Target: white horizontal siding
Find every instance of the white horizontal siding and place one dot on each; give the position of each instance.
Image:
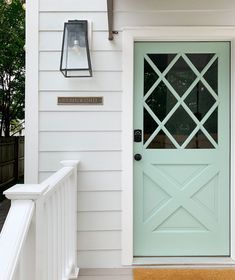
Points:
(73, 5)
(93, 180)
(174, 18)
(106, 81)
(55, 21)
(43, 176)
(101, 61)
(158, 5)
(99, 259)
(97, 180)
(80, 121)
(101, 240)
(136, 5)
(52, 41)
(99, 221)
(89, 161)
(79, 141)
(49, 21)
(99, 201)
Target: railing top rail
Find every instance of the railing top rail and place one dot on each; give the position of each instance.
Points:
(35, 191)
(11, 241)
(56, 178)
(59, 176)
(25, 192)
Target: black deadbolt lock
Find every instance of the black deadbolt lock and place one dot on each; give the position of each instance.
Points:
(137, 135)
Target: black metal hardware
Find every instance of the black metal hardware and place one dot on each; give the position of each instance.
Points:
(137, 157)
(137, 135)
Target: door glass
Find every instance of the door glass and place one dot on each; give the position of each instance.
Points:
(150, 77)
(199, 141)
(161, 101)
(180, 125)
(161, 60)
(201, 60)
(211, 125)
(149, 125)
(180, 76)
(161, 141)
(180, 100)
(211, 76)
(199, 101)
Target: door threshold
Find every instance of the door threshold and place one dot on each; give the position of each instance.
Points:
(183, 261)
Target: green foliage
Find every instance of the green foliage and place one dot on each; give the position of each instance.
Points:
(12, 63)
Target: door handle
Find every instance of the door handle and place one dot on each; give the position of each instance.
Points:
(137, 157)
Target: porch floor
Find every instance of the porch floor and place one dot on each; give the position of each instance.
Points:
(106, 274)
(126, 273)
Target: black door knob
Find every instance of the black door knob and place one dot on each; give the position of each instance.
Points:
(137, 157)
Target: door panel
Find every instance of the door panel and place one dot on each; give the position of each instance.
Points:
(181, 184)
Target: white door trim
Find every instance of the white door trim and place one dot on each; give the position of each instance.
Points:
(169, 33)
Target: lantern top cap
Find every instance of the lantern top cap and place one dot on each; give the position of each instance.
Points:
(77, 21)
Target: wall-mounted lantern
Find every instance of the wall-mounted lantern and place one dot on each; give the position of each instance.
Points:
(75, 55)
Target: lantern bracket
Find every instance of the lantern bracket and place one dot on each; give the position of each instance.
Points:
(110, 19)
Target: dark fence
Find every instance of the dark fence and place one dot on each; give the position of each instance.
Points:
(11, 161)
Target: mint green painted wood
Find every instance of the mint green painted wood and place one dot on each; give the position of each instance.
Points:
(181, 195)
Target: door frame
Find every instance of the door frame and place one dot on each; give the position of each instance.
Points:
(154, 34)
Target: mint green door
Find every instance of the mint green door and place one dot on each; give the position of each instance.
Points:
(181, 165)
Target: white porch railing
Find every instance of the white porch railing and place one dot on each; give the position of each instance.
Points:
(38, 240)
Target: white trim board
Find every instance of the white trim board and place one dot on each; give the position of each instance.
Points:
(31, 93)
(169, 33)
(185, 261)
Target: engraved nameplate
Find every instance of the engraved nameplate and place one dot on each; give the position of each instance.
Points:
(90, 100)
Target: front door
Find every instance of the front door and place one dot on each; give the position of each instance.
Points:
(181, 149)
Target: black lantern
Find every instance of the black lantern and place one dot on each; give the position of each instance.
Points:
(75, 55)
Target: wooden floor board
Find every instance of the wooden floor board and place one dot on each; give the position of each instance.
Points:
(106, 277)
(105, 274)
(105, 271)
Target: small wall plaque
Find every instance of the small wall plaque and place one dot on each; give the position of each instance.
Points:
(84, 100)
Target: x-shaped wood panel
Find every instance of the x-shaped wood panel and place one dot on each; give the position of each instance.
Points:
(181, 197)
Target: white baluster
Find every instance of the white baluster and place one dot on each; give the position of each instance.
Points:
(59, 220)
(55, 233)
(49, 238)
(40, 240)
(66, 226)
(70, 221)
(63, 231)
